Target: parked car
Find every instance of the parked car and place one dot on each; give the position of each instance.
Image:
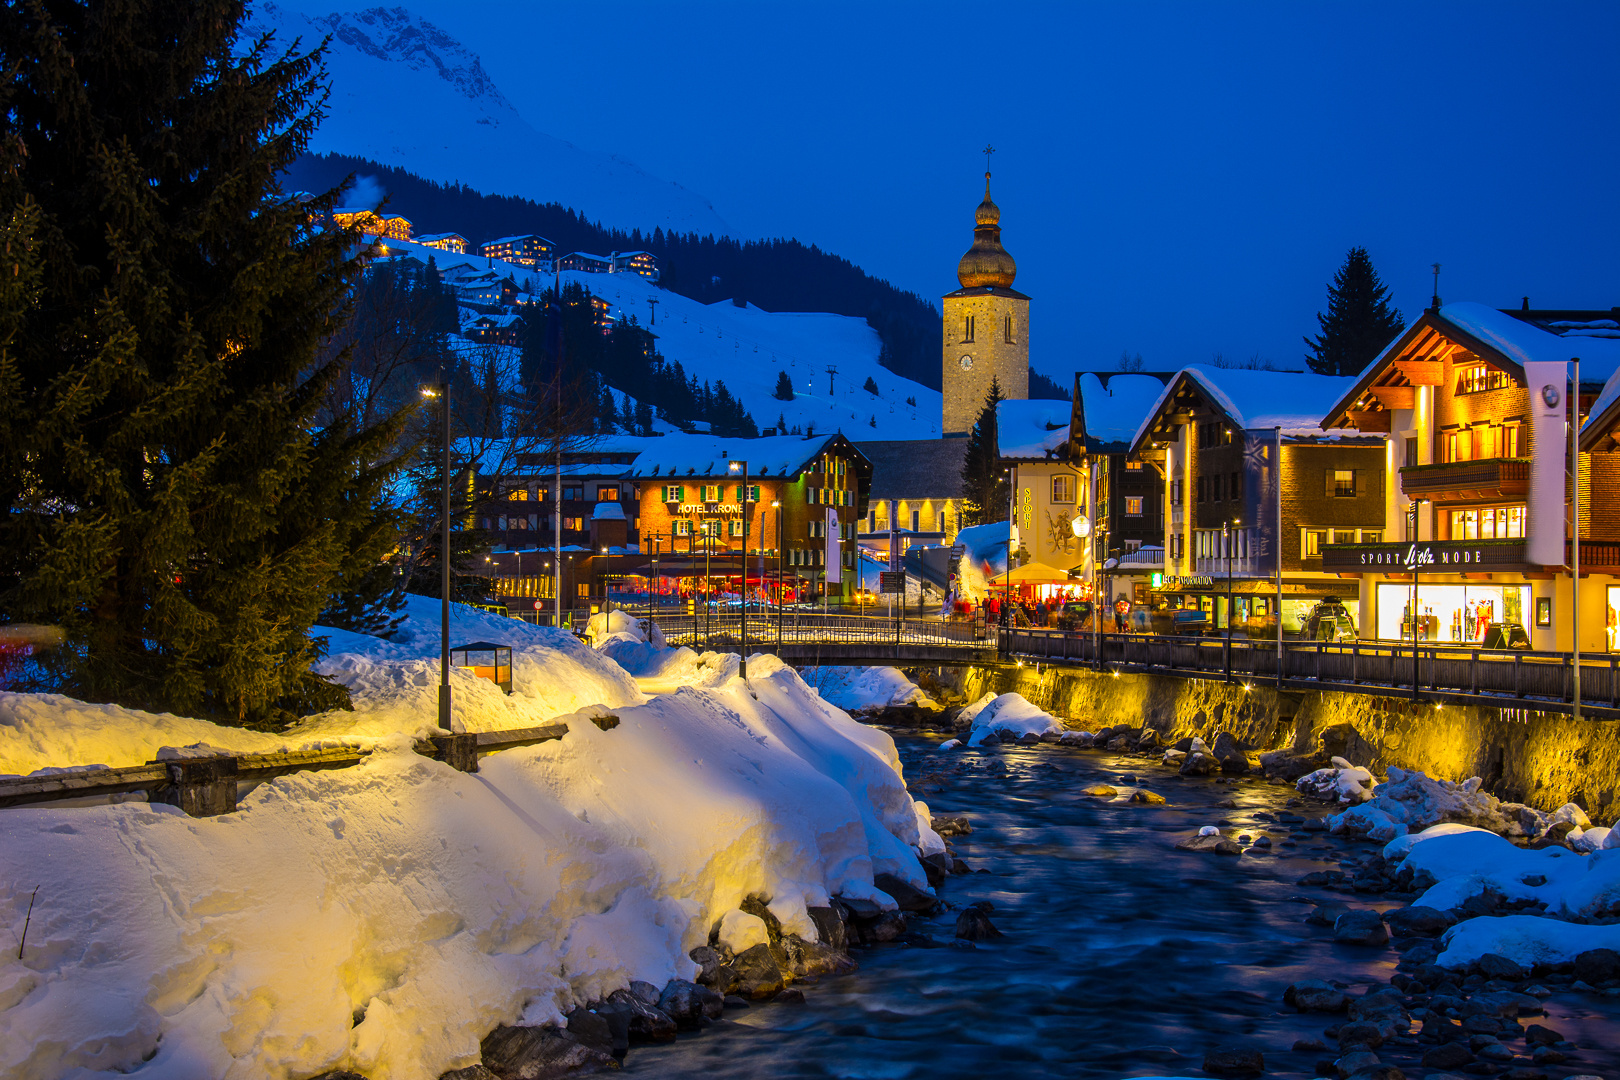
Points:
(1329, 620)
(1181, 621)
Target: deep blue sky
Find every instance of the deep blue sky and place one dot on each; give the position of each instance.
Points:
(1176, 179)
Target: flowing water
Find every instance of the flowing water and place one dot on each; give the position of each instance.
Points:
(1122, 956)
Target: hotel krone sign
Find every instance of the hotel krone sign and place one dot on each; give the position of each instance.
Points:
(711, 508)
(1425, 557)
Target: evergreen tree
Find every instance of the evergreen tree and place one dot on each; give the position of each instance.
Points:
(1359, 321)
(784, 387)
(984, 484)
(173, 499)
(870, 386)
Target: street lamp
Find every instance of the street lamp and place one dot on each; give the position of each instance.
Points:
(1411, 536)
(776, 504)
(607, 564)
(1228, 535)
(442, 392)
(740, 468)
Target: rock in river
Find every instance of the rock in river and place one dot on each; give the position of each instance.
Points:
(1235, 1061)
(1218, 845)
(1361, 927)
(974, 924)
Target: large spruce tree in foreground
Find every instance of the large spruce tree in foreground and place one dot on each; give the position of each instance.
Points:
(173, 500)
(984, 484)
(1359, 321)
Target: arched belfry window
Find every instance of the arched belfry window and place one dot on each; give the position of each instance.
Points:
(967, 329)
(1009, 330)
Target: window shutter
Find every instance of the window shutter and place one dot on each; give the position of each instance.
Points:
(1331, 490)
(1361, 481)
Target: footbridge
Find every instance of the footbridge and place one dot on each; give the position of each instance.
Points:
(1438, 674)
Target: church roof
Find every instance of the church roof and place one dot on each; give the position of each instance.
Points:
(987, 262)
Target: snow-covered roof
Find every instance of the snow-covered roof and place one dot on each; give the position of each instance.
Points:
(680, 456)
(607, 510)
(1293, 401)
(1036, 428)
(514, 239)
(1113, 412)
(587, 255)
(1524, 342)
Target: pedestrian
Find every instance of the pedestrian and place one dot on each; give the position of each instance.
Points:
(1040, 613)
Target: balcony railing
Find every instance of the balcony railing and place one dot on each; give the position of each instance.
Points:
(1485, 478)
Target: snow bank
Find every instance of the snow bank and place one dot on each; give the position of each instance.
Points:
(1010, 714)
(383, 918)
(858, 688)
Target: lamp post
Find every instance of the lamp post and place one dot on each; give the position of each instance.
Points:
(442, 392)
(740, 468)
(1411, 536)
(607, 564)
(776, 504)
(1229, 534)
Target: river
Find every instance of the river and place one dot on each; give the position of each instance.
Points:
(1122, 956)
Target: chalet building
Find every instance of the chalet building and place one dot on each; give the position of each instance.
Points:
(1473, 406)
(801, 492)
(481, 288)
(922, 489)
(584, 263)
(1127, 493)
(391, 226)
(451, 242)
(1047, 490)
(527, 250)
(644, 263)
(496, 330)
(1216, 435)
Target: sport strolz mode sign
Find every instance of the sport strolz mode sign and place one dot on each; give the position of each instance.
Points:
(1425, 557)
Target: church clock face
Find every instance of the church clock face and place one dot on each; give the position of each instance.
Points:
(967, 363)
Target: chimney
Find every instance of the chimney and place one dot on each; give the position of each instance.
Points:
(1526, 305)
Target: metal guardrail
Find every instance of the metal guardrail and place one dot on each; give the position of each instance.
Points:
(208, 786)
(1501, 677)
(765, 630)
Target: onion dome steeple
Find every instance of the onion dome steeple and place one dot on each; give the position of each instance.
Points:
(986, 262)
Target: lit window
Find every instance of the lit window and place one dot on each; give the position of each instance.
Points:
(1133, 506)
(1133, 466)
(1062, 488)
(683, 527)
(1315, 540)
(1342, 483)
(518, 495)
(607, 493)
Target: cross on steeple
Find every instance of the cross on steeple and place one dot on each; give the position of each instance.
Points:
(988, 150)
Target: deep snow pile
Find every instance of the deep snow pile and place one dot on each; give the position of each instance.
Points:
(1008, 714)
(394, 686)
(1341, 783)
(858, 689)
(383, 918)
(1457, 863)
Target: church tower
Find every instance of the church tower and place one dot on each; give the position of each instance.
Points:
(986, 325)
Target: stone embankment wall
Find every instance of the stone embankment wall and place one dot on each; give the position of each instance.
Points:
(1539, 758)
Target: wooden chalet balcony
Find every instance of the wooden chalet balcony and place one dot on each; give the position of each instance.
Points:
(1601, 555)
(1486, 478)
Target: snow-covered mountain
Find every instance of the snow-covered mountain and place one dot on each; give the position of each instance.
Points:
(748, 348)
(407, 94)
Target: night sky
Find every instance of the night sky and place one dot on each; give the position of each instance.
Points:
(1178, 180)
